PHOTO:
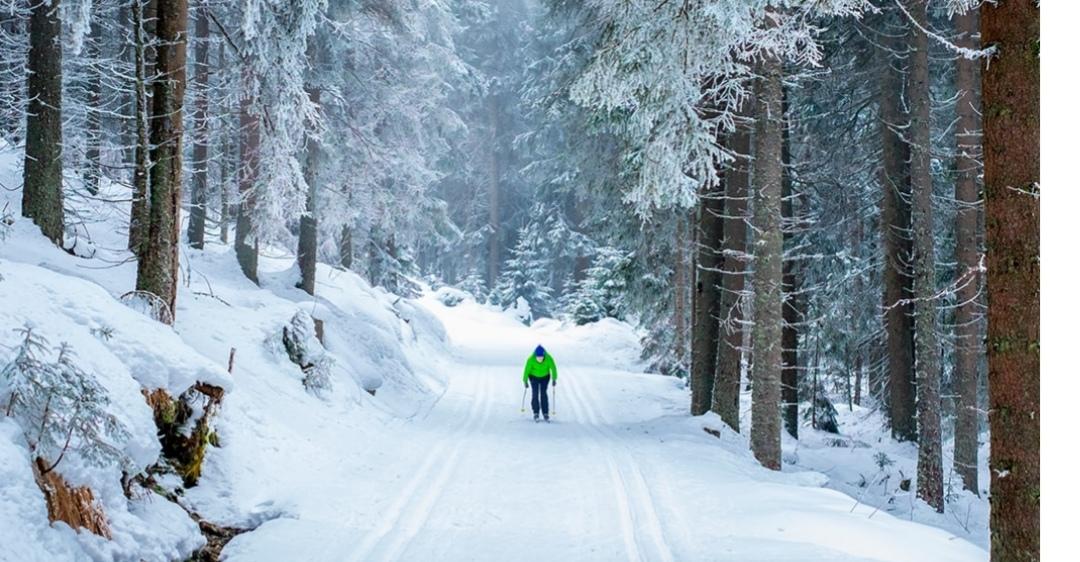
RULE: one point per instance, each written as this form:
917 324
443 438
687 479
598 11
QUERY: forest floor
621 473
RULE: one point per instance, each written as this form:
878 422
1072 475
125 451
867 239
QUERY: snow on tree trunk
91 165
159 261
201 151
896 241
768 267
43 196
927 347
245 242
968 257
143 14
1010 89
307 245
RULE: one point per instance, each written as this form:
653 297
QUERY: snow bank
277 439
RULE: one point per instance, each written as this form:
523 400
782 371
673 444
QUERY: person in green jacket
539 370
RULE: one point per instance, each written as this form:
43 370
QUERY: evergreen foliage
59 406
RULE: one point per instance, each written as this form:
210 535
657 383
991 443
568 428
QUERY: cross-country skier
539 369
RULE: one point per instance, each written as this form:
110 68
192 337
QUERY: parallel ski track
638 514
413 506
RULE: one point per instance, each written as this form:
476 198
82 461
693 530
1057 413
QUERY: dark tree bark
494 218
226 161
768 266
309 226
246 244
968 317
706 299
709 262
1010 89
681 268
792 307
91 171
43 189
346 247
201 151
725 400
927 347
896 243
159 261
143 14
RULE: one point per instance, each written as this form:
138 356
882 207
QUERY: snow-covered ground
621 474
440 464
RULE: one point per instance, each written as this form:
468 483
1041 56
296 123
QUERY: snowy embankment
273 440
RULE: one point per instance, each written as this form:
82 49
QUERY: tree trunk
896 245
681 289
968 317
11 24
43 189
201 151
246 244
143 14
792 307
225 158
346 247
309 226
159 260
493 198
91 171
927 348
706 328
1010 89
768 267
725 400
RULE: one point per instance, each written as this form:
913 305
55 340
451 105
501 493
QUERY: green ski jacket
534 368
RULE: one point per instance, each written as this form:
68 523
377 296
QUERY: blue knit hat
539 351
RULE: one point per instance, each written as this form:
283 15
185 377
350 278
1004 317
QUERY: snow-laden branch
969 54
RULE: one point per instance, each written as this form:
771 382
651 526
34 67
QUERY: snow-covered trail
622 474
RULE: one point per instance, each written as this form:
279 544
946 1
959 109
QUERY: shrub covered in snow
450 296
59 406
304 349
822 414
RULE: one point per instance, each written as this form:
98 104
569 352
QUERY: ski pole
553 387
523 393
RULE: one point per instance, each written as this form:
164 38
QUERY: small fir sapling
602 293
59 406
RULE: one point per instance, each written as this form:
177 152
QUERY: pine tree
1010 89
927 349
196 231
968 257
43 196
725 400
526 275
896 247
602 293
159 259
768 266
143 15
706 299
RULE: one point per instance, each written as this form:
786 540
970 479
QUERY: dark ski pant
539 394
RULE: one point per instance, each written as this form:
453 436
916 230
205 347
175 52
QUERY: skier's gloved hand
554 383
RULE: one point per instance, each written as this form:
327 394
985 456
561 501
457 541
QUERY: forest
817 219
